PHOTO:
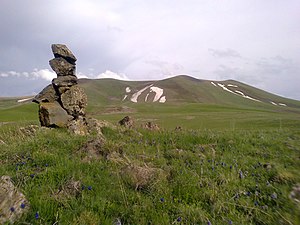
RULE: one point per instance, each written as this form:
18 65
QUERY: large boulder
74 101
62 67
53 115
48 94
60 50
13 203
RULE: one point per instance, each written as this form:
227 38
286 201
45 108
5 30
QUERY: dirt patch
118 109
141 177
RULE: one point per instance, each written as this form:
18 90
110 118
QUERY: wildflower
83 187
89 188
46 164
256 203
230 222
179 219
248 193
241 175
208 223
162 199
32 175
23 205
274 195
37 215
230 167
12 209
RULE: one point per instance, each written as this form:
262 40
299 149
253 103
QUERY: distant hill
182 89
180 100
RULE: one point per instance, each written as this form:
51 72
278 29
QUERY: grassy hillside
155 177
234 160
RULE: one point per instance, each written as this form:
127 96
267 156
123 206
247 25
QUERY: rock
95 126
141 177
48 94
178 128
53 115
29 130
62 67
127 122
151 126
74 101
267 166
13 203
78 126
63 103
63 83
60 50
93 150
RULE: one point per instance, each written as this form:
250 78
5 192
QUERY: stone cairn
63 103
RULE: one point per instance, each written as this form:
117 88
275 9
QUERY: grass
231 163
155 177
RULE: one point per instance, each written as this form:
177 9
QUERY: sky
252 41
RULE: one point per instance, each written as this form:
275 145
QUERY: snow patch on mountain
158 93
135 96
163 99
24 100
213 84
246 96
281 104
128 90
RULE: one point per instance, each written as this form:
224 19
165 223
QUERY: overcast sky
252 41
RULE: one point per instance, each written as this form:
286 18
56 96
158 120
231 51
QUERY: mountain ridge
183 88
174 90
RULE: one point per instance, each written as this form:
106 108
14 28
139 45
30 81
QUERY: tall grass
155 177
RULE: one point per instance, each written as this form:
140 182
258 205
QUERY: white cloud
44 74
110 74
35 74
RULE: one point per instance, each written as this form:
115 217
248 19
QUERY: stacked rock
63 102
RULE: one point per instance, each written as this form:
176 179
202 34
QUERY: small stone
127 122
10 201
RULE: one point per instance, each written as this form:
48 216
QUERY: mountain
180 100
182 89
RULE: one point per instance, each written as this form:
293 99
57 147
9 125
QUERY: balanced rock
53 115
48 94
63 103
62 67
74 101
13 203
62 51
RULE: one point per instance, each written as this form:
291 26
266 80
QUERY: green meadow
228 163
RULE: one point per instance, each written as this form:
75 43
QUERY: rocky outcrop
13 203
127 122
63 102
